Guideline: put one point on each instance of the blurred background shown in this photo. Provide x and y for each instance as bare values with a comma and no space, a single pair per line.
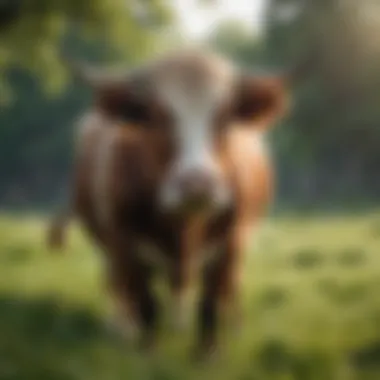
327,150
313,284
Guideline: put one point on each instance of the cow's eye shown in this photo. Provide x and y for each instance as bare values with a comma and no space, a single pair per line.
136,113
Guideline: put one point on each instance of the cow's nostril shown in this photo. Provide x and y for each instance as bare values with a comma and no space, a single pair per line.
196,185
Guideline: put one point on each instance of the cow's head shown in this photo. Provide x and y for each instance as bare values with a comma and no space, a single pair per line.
189,102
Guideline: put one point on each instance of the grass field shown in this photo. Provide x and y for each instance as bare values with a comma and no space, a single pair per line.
311,295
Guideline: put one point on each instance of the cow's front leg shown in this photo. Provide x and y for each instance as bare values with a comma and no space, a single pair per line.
219,299
182,273
180,287
136,305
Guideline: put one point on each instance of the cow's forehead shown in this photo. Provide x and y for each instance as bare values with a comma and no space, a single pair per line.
194,77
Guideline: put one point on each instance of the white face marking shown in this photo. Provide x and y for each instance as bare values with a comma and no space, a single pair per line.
193,110
193,128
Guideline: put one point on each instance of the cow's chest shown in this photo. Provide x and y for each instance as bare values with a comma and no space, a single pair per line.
161,238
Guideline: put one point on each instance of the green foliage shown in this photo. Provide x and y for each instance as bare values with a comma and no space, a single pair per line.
33,32
36,138
334,126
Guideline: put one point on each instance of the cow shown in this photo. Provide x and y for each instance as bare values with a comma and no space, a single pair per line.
173,173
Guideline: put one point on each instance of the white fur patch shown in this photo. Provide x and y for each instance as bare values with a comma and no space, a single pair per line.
94,124
88,124
193,110
102,176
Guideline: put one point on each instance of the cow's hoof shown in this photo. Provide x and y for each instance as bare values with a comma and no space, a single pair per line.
179,323
125,332
180,319
205,355
147,345
130,332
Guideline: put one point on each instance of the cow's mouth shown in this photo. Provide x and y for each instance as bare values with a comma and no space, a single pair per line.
195,204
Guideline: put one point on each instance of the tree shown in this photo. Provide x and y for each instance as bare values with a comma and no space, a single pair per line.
334,128
34,32
36,128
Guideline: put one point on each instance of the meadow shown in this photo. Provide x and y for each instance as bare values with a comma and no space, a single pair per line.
311,297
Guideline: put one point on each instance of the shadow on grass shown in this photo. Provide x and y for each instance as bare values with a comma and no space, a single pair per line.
308,259
37,320
42,339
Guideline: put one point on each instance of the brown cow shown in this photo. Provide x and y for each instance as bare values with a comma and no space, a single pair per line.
172,170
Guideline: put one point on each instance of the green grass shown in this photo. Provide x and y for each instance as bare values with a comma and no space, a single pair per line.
311,296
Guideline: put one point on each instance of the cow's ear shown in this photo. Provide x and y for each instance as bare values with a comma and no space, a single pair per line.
120,102
118,94
260,101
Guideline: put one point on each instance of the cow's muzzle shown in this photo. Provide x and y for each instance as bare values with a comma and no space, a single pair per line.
195,190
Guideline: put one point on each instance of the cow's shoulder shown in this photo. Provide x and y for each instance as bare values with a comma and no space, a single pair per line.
252,164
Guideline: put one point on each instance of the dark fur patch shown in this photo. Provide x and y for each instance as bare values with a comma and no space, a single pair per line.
258,98
120,103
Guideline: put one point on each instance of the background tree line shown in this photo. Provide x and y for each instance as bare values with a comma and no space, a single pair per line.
326,150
